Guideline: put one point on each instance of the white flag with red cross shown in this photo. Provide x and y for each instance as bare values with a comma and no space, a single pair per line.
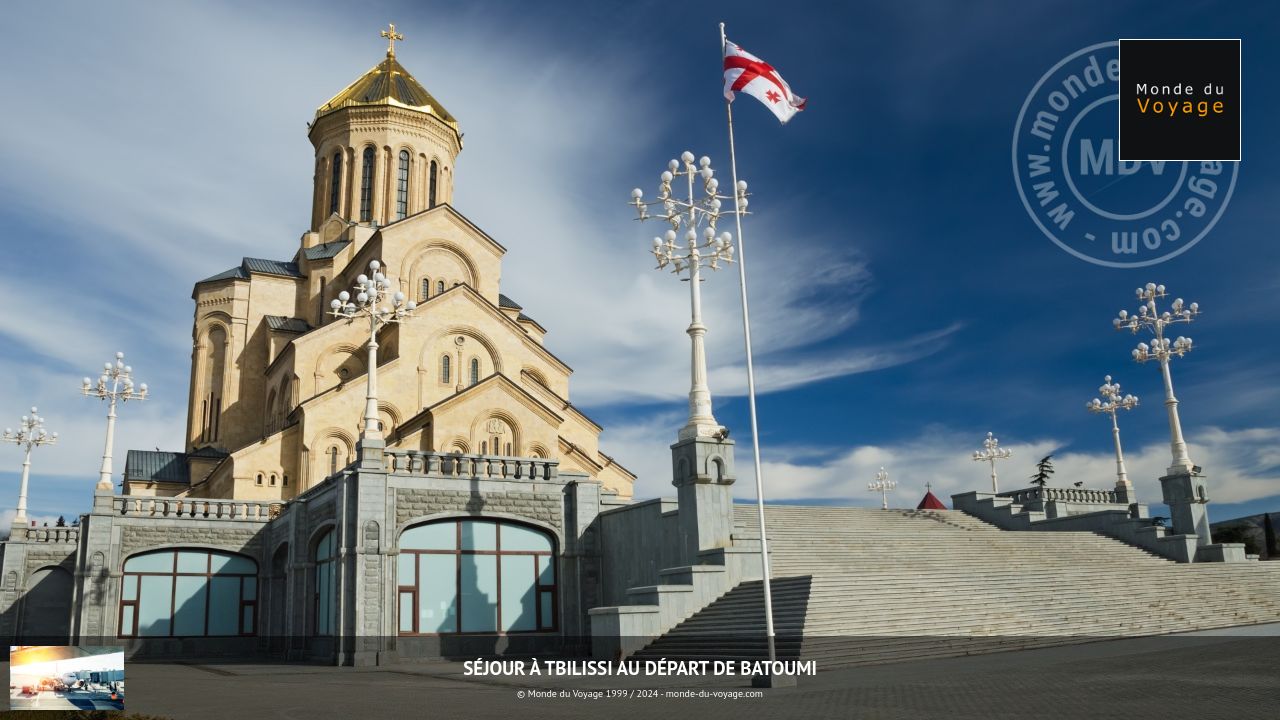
744,72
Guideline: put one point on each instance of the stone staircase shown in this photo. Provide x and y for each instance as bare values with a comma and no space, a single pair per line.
862,586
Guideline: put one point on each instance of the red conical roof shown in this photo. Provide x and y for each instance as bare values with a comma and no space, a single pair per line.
931,502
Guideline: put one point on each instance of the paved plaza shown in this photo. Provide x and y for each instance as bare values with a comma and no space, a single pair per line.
1229,674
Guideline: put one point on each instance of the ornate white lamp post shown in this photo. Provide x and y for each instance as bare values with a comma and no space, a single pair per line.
30,433
1111,403
115,383
371,295
1160,349
703,247
883,485
991,452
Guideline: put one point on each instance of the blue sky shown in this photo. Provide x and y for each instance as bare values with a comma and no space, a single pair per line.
904,302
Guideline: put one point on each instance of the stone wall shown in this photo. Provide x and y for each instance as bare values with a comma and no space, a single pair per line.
541,506
142,536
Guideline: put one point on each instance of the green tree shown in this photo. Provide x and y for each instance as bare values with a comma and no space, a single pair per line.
1044,469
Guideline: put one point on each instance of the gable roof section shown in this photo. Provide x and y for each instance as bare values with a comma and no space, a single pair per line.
499,380
271,267
256,265
156,466
506,302
287,324
325,251
235,273
452,212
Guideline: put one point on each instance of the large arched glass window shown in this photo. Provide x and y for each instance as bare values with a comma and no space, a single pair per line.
431,185
476,576
335,183
366,186
188,593
444,369
425,292
323,559
402,186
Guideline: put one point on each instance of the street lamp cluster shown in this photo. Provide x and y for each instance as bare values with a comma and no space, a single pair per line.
375,301
697,213
1111,400
991,452
30,434
1160,349
882,485
114,384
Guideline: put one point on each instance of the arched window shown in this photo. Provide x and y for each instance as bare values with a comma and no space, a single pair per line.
336,182
284,481
188,593
426,290
439,286
366,186
475,371
259,479
273,479
484,447
333,459
431,185
476,576
509,453
444,369
215,361
402,186
323,557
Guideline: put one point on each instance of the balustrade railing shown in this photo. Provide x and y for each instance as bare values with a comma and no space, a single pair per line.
51,534
1071,495
485,467
200,508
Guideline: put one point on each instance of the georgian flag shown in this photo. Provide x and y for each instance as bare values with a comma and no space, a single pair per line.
744,72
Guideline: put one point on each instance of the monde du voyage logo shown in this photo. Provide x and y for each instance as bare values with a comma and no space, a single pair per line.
1122,213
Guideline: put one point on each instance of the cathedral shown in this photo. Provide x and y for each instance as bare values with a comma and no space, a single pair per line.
477,517
278,383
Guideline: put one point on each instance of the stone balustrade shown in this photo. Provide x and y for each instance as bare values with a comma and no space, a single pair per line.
1082,496
69,535
484,467
199,508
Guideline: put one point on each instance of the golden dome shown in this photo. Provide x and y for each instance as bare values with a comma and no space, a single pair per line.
388,83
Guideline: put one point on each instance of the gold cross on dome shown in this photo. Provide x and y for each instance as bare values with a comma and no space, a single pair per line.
392,36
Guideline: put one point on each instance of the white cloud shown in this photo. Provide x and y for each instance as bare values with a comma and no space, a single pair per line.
1241,465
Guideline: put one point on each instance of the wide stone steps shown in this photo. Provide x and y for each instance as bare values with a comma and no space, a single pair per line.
856,586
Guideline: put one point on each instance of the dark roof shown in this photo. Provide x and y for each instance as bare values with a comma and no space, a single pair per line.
271,267
323,251
287,324
258,265
207,451
235,273
156,466
506,302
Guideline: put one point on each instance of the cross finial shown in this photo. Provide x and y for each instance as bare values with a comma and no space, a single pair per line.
928,487
392,36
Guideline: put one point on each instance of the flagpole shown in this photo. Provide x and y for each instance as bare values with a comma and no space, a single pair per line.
751,376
